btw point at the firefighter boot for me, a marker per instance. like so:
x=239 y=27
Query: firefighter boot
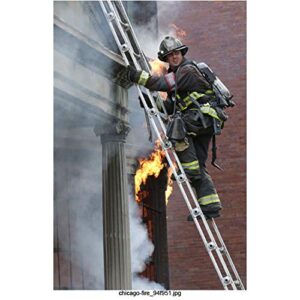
x=211 y=210
x=207 y=196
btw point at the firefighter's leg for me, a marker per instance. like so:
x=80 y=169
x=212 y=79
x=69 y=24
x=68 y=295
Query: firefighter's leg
x=189 y=160
x=206 y=192
x=198 y=178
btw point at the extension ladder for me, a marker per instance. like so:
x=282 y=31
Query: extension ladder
x=132 y=53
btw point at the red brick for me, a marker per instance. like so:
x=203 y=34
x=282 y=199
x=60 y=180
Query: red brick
x=216 y=34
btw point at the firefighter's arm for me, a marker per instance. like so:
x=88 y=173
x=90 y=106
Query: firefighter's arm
x=151 y=82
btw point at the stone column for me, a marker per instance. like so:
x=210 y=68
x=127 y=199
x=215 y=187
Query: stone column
x=116 y=234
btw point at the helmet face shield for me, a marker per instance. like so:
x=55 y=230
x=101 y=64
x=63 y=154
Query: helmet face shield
x=170 y=44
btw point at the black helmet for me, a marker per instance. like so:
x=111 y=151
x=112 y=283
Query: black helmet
x=170 y=44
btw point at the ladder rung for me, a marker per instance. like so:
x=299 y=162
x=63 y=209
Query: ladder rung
x=124 y=48
x=211 y=246
x=196 y=212
x=111 y=16
x=227 y=280
x=222 y=250
x=181 y=178
x=137 y=55
x=167 y=145
x=125 y=25
x=152 y=112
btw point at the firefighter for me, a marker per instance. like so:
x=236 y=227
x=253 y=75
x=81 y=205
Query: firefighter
x=188 y=93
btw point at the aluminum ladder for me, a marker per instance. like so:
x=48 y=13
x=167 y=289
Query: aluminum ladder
x=132 y=54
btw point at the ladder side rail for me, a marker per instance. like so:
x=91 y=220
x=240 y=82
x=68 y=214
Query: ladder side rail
x=112 y=16
x=136 y=64
x=224 y=265
x=179 y=164
x=200 y=231
x=121 y=8
x=131 y=52
x=119 y=3
x=187 y=201
x=137 y=44
x=109 y=19
x=127 y=28
x=210 y=234
x=226 y=253
x=124 y=36
x=221 y=277
x=189 y=205
x=162 y=125
x=185 y=196
x=127 y=43
x=193 y=196
x=156 y=112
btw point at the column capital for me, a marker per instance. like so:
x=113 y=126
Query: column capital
x=116 y=132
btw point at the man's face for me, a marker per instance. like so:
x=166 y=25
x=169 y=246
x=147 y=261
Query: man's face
x=174 y=58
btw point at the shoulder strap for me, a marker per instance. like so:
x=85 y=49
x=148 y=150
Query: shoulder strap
x=175 y=89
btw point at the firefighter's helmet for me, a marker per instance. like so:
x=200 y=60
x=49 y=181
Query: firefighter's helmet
x=170 y=44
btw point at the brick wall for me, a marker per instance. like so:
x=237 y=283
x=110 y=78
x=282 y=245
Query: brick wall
x=216 y=34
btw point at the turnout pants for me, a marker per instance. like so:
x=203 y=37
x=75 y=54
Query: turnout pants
x=193 y=160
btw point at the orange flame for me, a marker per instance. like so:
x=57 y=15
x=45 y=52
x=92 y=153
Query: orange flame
x=151 y=167
x=169 y=189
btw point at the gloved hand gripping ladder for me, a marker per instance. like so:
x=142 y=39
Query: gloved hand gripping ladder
x=126 y=40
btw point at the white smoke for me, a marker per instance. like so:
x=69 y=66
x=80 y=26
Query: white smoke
x=141 y=246
x=141 y=249
x=79 y=179
x=78 y=210
x=146 y=34
x=141 y=283
x=147 y=38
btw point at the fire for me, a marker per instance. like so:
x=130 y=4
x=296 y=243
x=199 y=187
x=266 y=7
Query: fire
x=151 y=167
x=169 y=189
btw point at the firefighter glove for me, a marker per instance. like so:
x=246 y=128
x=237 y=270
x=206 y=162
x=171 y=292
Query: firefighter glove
x=139 y=77
x=133 y=74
